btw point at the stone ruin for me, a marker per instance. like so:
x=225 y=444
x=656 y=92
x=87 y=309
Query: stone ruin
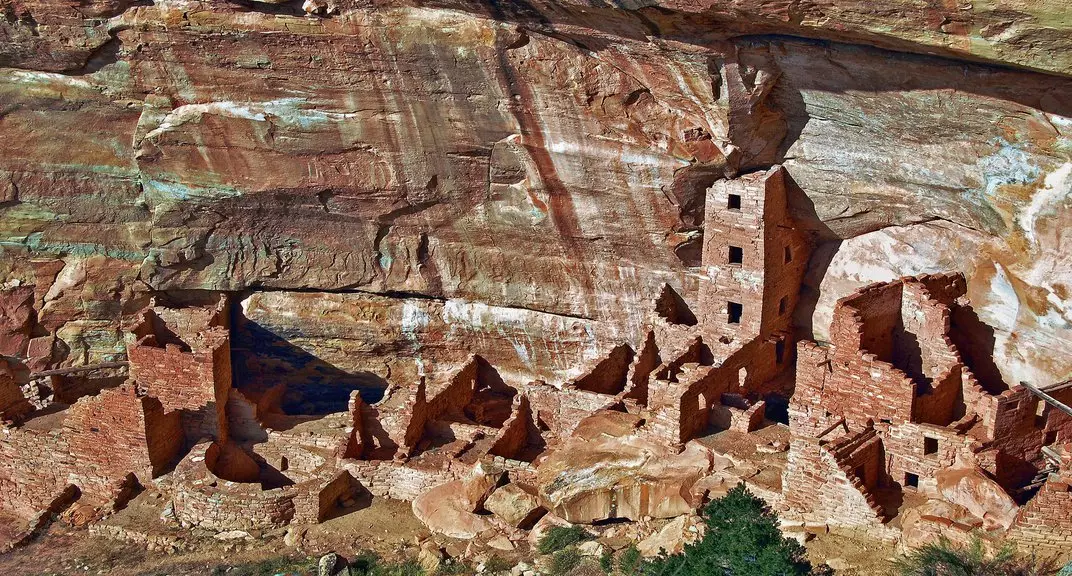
x=901 y=406
x=899 y=411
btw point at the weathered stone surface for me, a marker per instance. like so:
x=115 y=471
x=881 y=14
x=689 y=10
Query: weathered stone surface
x=449 y=509
x=670 y=539
x=448 y=154
x=978 y=494
x=387 y=188
x=934 y=520
x=514 y=505
x=620 y=477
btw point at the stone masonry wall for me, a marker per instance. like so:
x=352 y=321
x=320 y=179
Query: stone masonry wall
x=197 y=382
x=821 y=490
x=35 y=466
x=117 y=433
x=905 y=443
x=13 y=405
x=1045 y=522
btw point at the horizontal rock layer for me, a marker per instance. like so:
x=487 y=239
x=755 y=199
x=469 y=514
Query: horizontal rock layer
x=550 y=157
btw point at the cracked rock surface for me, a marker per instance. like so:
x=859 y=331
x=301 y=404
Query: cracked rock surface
x=546 y=160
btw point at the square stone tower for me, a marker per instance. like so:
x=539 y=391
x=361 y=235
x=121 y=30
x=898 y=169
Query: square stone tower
x=753 y=259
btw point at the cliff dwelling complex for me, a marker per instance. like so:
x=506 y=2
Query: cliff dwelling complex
x=902 y=404
x=290 y=273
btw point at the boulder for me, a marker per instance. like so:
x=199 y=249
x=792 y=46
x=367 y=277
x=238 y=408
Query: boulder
x=330 y=565
x=449 y=509
x=628 y=477
x=430 y=557
x=934 y=520
x=515 y=506
x=972 y=489
x=671 y=538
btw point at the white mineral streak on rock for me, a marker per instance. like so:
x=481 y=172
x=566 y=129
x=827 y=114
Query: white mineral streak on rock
x=1056 y=191
x=1003 y=309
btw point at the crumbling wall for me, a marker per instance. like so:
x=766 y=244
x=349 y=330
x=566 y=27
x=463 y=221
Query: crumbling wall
x=195 y=382
x=609 y=376
x=823 y=490
x=35 y=466
x=518 y=433
x=924 y=449
x=560 y=411
x=119 y=432
x=13 y=405
x=1045 y=522
x=640 y=370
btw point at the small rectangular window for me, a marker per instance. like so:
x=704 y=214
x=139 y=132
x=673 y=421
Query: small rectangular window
x=734 y=312
x=783 y=304
x=1040 y=415
x=911 y=480
x=788 y=254
x=736 y=255
x=779 y=351
x=734 y=202
x=1051 y=438
x=930 y=445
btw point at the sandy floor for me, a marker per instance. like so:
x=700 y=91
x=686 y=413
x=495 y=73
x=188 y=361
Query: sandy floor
x=383 y=526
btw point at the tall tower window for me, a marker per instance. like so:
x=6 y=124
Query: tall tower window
x=788 y=254
x=736 y=255
x=783 y=305
x=734 y=312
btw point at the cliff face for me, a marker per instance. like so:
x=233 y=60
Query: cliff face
x=545 y=156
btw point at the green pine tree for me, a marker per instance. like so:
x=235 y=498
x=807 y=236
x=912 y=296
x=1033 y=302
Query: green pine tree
x=742 y=539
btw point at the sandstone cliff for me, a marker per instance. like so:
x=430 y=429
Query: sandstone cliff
x=544 y=159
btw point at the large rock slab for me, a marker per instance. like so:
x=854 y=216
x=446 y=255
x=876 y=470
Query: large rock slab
x=528 y=155
x=450 y=509
x=585 y=481
x=973 y=490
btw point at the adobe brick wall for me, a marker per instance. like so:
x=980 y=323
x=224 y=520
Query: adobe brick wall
x=34 y=467
x=1044 y=524
x=194 y=382
x=119 y=432
x=13 y=405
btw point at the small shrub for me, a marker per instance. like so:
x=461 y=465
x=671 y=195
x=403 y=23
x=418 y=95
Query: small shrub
x=564 y=561
x=454 y=567
x=364 y=564
x=407 y=568
x=606 y=561
x=629 y=563
x=369 y=564
x=944 y=557
x=497 y=564
x=559 y=537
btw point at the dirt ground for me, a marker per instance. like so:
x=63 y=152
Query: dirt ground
x=385 y=527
